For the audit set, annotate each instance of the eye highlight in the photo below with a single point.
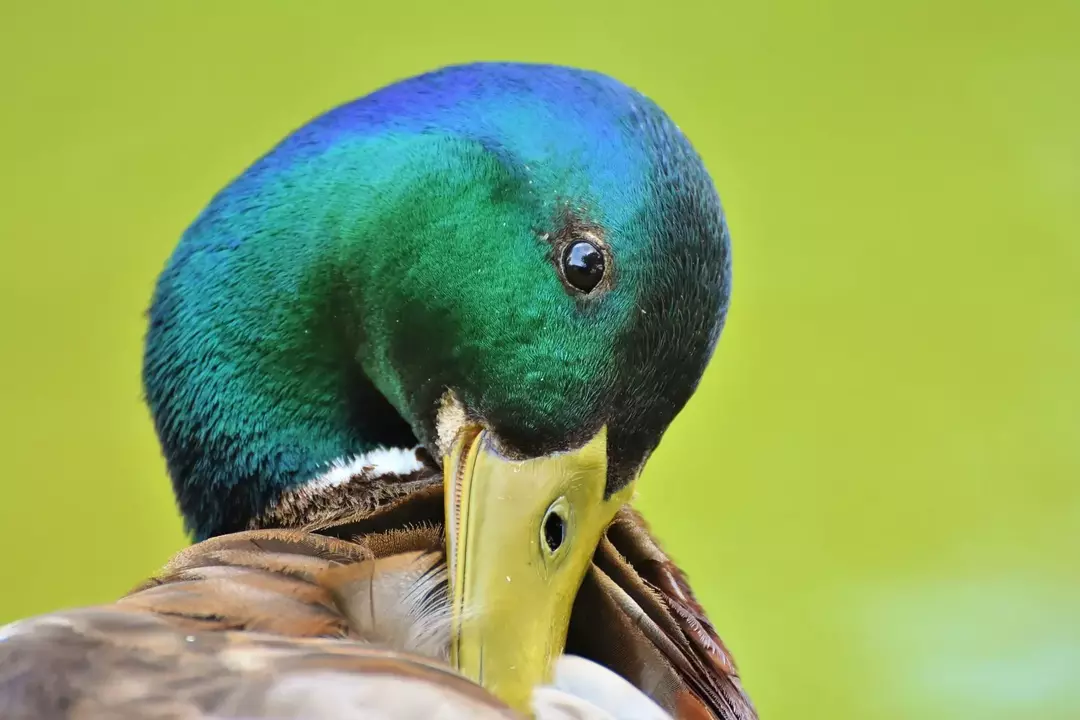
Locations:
(583, 265)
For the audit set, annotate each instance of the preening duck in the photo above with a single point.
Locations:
(405, 371)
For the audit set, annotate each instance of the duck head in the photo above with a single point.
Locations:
(522, 269)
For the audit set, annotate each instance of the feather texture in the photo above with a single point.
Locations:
(288, 623)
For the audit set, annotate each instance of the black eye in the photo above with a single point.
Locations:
(583, 265)
(554, 530)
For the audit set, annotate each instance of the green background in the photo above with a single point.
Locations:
(875, 490)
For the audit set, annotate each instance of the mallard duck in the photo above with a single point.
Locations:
(405, 370)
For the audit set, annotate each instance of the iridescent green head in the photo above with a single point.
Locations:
(538, 246)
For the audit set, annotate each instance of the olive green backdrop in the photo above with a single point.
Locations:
(875, 490)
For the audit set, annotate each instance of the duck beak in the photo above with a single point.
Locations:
(520, 536)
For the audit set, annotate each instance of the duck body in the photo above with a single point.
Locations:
(356, 355)
(293, 624)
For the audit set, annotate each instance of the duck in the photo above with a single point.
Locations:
(405, 371)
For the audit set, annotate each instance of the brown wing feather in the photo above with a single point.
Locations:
(265, 623)
(121, 663)
(652, 630)
(291, 583)
(270, 621)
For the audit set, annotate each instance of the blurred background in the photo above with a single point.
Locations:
(875, 491)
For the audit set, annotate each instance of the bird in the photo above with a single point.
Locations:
(405, 371)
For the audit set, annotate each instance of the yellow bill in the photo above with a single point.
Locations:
(520, 535)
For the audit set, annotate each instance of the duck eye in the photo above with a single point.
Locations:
(583, 265)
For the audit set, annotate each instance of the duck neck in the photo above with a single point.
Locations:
(253, 367)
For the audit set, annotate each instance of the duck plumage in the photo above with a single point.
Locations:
(491, 281)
